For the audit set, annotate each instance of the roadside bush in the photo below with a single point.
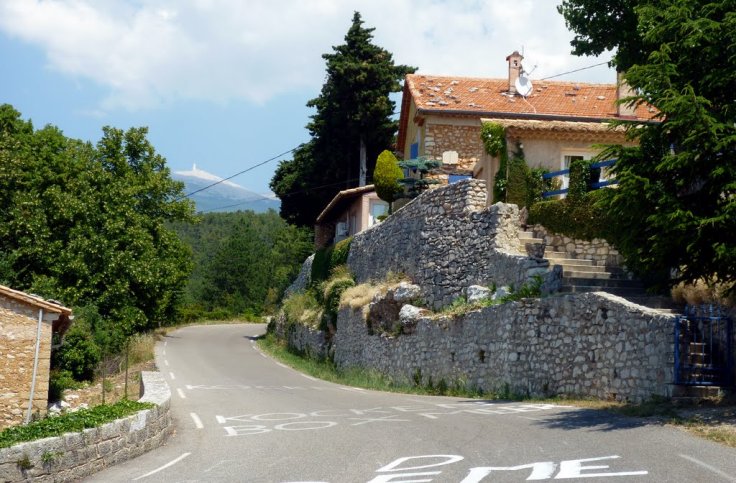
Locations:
(79, 354)
(302, 308)
(333, 288)
(582, 220)
(59, 380)
(340, 252)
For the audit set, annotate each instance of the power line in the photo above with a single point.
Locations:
(264, 198)
(236, 174)
(576, 70)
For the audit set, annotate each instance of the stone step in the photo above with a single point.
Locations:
(603, 282)
(571, 262)
(599, 274)
(526, 234)
(624, 292)
(524, 240)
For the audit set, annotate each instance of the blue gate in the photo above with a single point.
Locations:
(704, 341)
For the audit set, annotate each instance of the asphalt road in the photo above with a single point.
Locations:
(241, 416)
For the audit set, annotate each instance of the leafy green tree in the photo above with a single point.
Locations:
(386, 178)
(675, 207)
(85, 224)
(352, 121)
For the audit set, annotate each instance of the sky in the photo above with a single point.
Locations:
(224, 83)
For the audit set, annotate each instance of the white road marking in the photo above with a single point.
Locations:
(166, 342)
(166, 362)
(171, 375)
(164, 352)
(533, 419)
(282, 365)
(708, 467)
(352, 389)
(308, 377)
(197, 421)
(220, 419)
(181, 393)
(170, 463)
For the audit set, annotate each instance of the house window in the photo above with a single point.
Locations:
(454, 178)
(377, 208)
(567, 159)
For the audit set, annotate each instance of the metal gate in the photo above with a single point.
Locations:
(704, 342)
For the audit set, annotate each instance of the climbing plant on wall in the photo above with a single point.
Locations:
(493, 136)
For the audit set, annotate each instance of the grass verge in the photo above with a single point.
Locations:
(70, 422)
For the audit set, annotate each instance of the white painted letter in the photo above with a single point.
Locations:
(540, 471)
(385, 478)
(573, 469)
(447, 459)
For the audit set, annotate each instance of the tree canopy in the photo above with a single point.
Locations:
(675, 209)
(386, 177)
(352, 110)
(85, 224)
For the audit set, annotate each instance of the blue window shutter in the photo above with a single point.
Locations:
(414, 151)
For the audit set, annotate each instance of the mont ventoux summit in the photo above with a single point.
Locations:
(225, 196)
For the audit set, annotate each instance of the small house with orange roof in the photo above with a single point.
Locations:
(554, 122)
(27, 326)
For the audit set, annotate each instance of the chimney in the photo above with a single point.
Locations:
(623, 90)
(514, 69)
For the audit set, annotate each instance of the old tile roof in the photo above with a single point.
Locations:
(341, 196)
(488, 98)
(35, 300)
(551, 98)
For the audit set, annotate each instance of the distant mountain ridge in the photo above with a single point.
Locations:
(225, 196)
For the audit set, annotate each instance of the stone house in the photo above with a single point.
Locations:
(555, 122)
(27, 326)
(349, 212)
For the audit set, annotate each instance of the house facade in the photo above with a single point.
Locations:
(554, 123)
(350, 211)
(27, 326)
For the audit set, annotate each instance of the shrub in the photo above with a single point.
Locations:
(332, 292)
(518, 181)
(302, 308)
(78, 354)
(340, 252)
(321, 265)
(59, 380)
(583, 220)
(386, 176)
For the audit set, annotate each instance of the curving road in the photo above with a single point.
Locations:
(240, 416)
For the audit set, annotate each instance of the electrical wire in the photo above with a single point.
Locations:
(576, 70)
(237, 174)
(265, 198)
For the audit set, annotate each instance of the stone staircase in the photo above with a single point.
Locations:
(584, 275)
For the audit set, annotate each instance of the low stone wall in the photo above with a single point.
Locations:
(76, 455)
(302, 280)
(599, 250)
(592, 344)
(301, 338)
(446, 240)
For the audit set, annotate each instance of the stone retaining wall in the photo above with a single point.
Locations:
(599, 250)
(446, 240)
(76, 455)
(301, 338)
(592, 344)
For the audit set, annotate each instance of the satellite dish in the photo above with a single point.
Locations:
(523, 86)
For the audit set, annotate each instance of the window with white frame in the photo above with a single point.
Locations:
(377, 208)
(567, 158)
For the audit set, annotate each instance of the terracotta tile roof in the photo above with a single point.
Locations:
(344, 195)
(555, 126)
(465, 95)
(35, 300)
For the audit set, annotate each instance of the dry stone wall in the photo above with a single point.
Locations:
(599, 250)
(73, 456)
(592, 344)
(446, 240)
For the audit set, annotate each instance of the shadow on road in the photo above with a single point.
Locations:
(595, 420)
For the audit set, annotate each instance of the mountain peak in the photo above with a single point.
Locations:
(202, 174)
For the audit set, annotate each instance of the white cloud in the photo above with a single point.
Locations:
(152, 52)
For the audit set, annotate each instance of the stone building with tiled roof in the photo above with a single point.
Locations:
(555, 122)
(27, 325)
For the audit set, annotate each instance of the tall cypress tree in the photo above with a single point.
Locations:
(353, 112)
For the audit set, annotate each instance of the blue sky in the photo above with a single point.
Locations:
(224, 83)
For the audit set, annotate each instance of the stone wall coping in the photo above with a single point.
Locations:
(73, 456)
